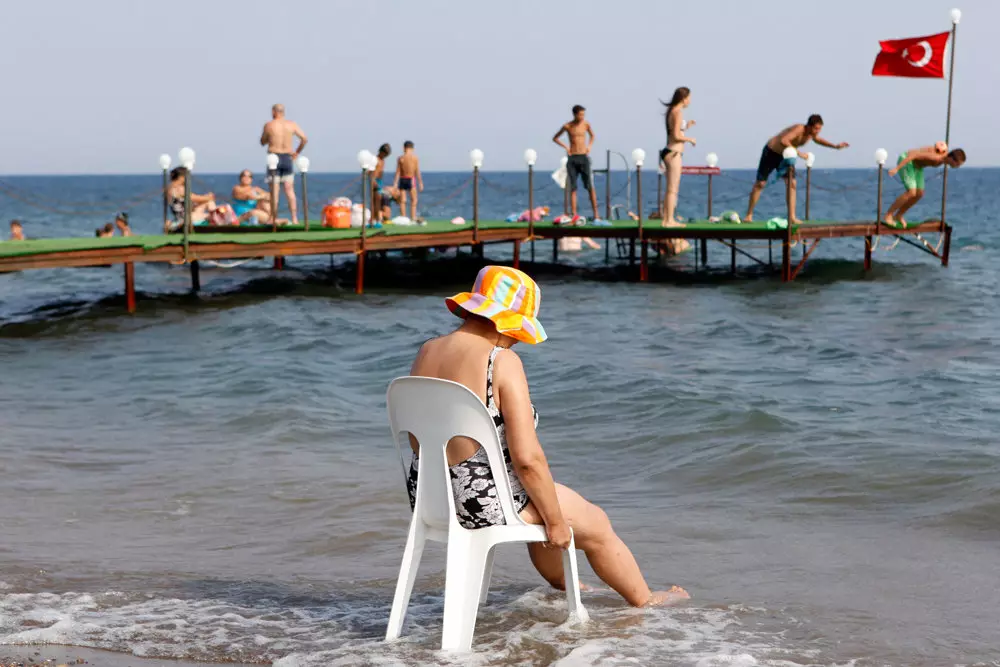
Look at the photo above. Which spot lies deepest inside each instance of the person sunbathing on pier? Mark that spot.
(910, 167)
(201, 205)
(772, 159)
(500, 311)
(252, 204)
(16, 231)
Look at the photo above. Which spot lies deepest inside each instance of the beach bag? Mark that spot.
(224, 215)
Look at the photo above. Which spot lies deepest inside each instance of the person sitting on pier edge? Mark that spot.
(201, 205)
(500, 311)
(105, 232)
(382, 195)
(16, 230)
(910, 167)
(250, 203)
(581, 140)
(772, 159)
(121, 223)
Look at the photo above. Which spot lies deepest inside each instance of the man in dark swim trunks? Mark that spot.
(277, 136)
(578, 152)
(408, 180)
(771, 159)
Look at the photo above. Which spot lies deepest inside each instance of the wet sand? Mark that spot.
(56, 656)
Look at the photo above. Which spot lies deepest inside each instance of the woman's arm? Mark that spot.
(525, 451)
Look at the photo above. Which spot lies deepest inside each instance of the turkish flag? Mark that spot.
(916, 57)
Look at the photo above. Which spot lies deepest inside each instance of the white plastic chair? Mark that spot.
(435, 411)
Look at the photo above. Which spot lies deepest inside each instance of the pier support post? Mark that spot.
(531, 217)
(517, 255)
(643, 271)
(786, 245)
(279, 263)
(305, 194)
(130, 286)
(195, 276)
(946, 250)
(607, 206)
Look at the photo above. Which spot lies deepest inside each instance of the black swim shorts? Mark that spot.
(578, 166)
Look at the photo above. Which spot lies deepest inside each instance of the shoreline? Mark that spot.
(57, 655)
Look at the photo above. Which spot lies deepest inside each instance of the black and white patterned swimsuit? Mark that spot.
(476, 501)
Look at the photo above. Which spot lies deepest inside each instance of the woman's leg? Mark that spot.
(673, 168)
(611, 559)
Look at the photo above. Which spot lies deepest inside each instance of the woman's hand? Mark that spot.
(692, 141)
(559, 535)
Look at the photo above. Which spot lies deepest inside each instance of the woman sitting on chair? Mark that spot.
(499, 312)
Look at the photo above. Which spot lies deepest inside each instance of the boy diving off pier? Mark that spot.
(910, 167)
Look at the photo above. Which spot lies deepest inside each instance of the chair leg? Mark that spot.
(462, 587)
(487, 575)
(407, 573)
(571, 580)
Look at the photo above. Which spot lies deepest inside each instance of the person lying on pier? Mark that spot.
(910, 167)
(121, 223)
(500, 311)
(772, 160)
(105, 232)
(16, 230)
(383, 195)
(201, 205)
(252, 204)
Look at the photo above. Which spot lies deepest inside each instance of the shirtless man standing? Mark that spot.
(277, 136)
(578, 152)
(408, 179)
(771, 159)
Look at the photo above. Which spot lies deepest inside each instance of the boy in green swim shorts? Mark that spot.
(910, 168)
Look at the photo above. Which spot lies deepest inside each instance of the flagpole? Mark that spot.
(956, 16)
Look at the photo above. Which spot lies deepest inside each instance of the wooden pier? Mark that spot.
(223, 244)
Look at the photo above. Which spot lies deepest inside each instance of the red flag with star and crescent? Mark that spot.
(921, 57)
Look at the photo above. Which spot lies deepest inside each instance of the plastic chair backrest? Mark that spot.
(435, 411)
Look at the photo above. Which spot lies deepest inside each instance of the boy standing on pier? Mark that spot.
(910, 167)
(408, 179)
(16, 231)
(772, 159)
(578, 165)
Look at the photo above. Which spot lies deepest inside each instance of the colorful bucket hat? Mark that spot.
(507, 297)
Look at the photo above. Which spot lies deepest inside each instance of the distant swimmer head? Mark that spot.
(956, 158)
(278, 110)
(384, 151)
(579, 112)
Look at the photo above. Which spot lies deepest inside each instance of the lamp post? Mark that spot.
(476, 157)
(712, 160)
(789, 154)
(186, 157)
(881, 155)
(272, 170)
(639, 156)
(303, 163)
(364, 160)
(956, 17)
(530, 158)
(165, 167)
(810, 161)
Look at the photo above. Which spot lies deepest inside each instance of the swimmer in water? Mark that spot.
(910, 167)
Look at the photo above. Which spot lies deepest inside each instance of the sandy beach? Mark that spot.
(56, 656)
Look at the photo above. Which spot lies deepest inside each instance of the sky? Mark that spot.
(106, 86)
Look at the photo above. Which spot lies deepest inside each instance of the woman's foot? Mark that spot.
(675, 595)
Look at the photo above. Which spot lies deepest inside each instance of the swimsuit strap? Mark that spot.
(490, 404)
